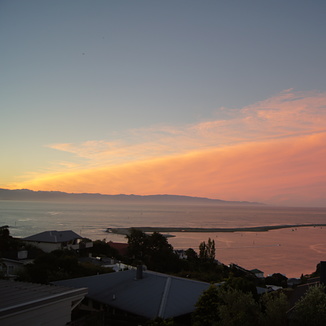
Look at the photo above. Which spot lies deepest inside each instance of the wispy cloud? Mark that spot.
(272, 151)
(285, 115)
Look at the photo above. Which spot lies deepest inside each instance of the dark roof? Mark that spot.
(17, 296)
(300, 291)
(122, 248)
(54, 236)
(256, 271)
(155, 295)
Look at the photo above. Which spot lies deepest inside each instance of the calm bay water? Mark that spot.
(288, 251)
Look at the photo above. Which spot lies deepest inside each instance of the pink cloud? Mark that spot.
(272, 151)
(285, 171)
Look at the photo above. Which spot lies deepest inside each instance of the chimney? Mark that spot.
(22, 254)
(323, 272)
(139, 272)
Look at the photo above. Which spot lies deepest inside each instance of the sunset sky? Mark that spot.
(218, 99)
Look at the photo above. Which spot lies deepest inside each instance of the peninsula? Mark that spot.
(126, 231)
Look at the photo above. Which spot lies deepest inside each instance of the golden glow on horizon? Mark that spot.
(272, 171)
(273, 151)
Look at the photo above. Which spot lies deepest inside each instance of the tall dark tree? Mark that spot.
(100, 247)
(152, 250)
(207, 250)
(137, 244)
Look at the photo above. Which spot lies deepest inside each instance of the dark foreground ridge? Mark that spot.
(126, 231)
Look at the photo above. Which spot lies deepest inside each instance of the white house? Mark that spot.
(53, 240)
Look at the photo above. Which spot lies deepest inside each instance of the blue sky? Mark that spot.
(121, 73)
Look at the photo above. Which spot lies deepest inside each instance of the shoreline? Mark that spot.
(126, 231)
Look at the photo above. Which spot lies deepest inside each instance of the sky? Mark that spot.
(218, 99)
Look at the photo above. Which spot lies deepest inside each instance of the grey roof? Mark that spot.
(54, 236)
(155, 295)
(17, 296)
(256, 271)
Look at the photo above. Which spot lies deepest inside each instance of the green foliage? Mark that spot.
(275, 306)
(160, 322)
(242, 284)
(226, 306)
(7, 242)
(137, 244)
(207, 250)
(102, 248)
(277, 279)
(191, 255)
(58, 265)
(238, 308)
(311, 309)
(207, 307)
(152, 250)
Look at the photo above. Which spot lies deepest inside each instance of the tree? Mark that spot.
(191, 255)
(158, 243)
(207, 307)
(238, 308)
(275, 306)
(152, 250)
(227, 307)
(137, 244)
(160, 322)
(100, 247)
(242, 284)
(311, 309)
(7, 242)
(277, 279)
(58, 265)
(207, 251)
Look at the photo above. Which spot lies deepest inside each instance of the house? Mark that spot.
(54, 240)
(293, 281)
(34, 304)
(122, 248)
(258, 273)
(106, 262)
(12, 261)
(140, 293)
(181, 253)
(11, 267)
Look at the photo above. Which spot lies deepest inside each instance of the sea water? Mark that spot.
(291, 251)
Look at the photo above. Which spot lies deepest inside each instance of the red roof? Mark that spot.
(122, 248)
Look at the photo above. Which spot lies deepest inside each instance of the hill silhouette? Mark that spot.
(30, 195)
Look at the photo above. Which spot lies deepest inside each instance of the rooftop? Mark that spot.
(17, 296)
(154, 295)
(54, 236)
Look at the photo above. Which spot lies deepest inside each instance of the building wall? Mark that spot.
(10, 268)
(46, 247)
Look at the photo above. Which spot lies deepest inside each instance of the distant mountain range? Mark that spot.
(58, 196)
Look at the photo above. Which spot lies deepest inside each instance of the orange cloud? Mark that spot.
(286, 171)
(272, 151)
(285, 115)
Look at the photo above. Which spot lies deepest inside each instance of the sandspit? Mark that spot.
(149, 229)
